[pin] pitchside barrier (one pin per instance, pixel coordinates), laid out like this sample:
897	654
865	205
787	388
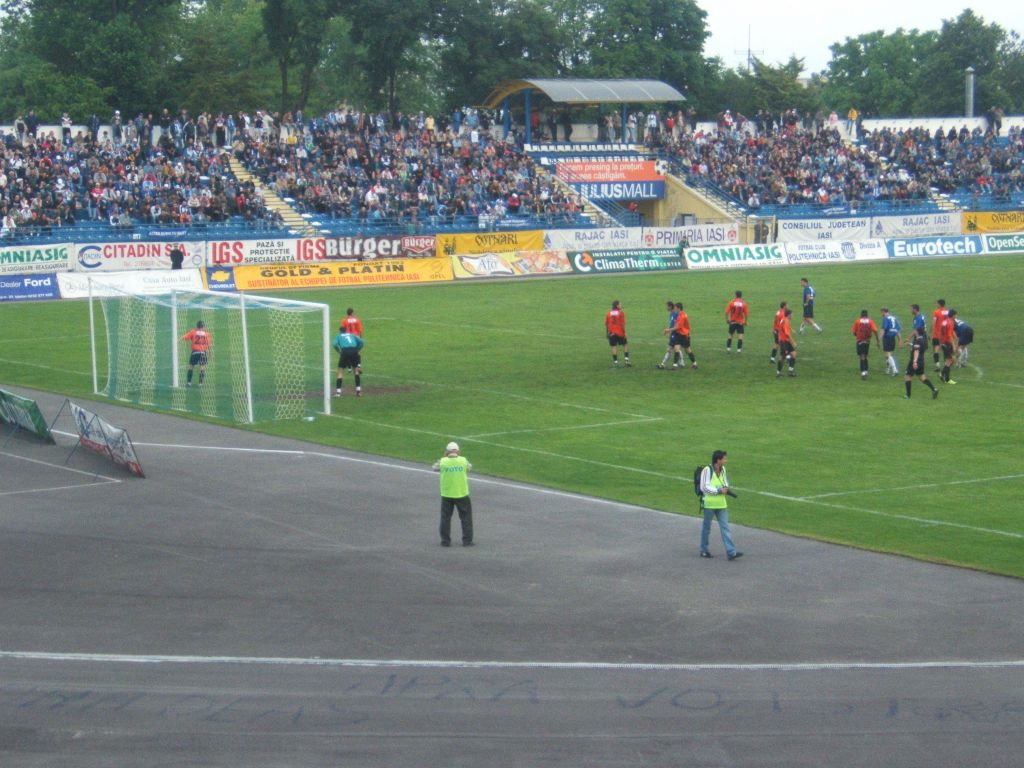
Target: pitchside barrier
102	438
23	414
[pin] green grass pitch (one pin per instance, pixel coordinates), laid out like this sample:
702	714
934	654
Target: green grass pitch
519	372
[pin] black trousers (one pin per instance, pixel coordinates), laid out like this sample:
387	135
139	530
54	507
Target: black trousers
465	508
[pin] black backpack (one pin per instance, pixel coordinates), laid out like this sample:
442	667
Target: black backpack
696	481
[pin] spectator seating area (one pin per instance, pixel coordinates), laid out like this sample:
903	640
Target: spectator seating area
350	172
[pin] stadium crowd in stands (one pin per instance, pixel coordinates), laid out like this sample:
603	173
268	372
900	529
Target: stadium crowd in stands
125	175
789	160
407	170
415	170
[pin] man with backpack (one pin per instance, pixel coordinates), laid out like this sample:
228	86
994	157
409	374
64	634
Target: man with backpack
712	486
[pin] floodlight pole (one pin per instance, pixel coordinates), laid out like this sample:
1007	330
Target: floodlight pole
327	359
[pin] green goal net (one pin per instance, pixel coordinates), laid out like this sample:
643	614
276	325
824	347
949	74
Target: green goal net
256	358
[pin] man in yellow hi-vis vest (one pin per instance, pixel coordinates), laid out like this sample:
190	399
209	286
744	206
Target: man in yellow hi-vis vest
454	471
714	487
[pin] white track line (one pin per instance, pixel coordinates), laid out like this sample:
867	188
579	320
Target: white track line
61	467
77	486
271	661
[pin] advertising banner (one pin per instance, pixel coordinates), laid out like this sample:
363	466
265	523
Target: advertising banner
614	179
227	253
618	238
359	248
105	439
826	252
601	262
510	264
28	287
29	259
114	257
993	221
1005	243
928	247
736	256
330	274
490	242
75	285
22	413
810	230
221	279
921	225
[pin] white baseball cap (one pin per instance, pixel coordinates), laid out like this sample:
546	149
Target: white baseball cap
452	447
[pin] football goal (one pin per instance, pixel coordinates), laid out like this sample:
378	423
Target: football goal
232	356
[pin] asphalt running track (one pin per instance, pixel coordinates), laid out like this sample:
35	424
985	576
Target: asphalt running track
264	602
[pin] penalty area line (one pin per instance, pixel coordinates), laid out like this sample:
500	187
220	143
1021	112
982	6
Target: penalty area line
584	666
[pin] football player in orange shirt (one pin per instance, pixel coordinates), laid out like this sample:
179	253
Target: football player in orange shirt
863	329
937	317
681	337
615	328
779	316
946	333
736	313
351	324
201	341
787	346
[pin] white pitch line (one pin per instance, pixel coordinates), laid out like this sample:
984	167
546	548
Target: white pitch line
44	367
507	447
563	429
878	513
584	666
914	487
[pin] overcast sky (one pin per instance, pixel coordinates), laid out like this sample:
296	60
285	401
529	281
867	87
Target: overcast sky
780	29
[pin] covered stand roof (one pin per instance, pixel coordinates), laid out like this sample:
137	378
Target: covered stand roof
583	91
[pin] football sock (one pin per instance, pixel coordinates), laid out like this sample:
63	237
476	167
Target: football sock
907	385
189	377
202	375
739	345
359	378
692	358
928	382
337	384
728	343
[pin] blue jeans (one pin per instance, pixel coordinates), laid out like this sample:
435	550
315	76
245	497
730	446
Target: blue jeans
723	526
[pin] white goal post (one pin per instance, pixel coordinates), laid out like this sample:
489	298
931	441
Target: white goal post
267	358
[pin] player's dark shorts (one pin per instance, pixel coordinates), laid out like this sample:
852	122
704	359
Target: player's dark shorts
912	371
675	339
863	347
889	343
775	336
966	337
683	341
616	341
936	342
947	351
350	358
809	311
785	348
736	327
197	358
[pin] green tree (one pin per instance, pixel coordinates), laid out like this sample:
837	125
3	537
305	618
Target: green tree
966	41
656	39
121	48
296	30
878	73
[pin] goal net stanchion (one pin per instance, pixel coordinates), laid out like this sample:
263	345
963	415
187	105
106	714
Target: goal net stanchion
268	359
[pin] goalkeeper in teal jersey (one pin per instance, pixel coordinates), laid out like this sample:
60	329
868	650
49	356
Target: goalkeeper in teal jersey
348	346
